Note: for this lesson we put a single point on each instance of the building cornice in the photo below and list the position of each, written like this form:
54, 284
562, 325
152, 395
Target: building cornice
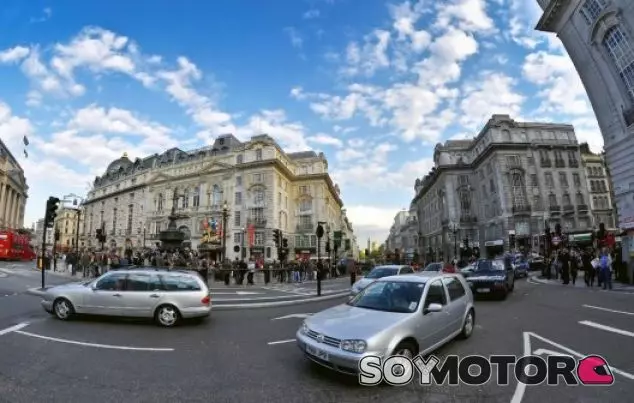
551, 16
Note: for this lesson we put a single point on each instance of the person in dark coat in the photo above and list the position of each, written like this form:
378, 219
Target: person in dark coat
564, 259
574, 266
588, 269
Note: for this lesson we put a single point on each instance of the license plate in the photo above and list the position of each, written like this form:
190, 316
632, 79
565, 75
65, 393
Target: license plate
317, 353
483, 290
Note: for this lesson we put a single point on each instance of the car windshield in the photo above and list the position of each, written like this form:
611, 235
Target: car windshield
490, 265
380, 272
433, 267
390, 296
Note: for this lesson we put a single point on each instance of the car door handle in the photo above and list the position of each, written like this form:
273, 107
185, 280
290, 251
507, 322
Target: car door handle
155, 296
116, 295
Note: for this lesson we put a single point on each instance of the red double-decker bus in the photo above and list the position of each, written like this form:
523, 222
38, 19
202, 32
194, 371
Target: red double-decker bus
15, 246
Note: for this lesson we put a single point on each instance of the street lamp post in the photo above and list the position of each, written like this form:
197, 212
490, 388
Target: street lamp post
454, 230
320, 233
225, 216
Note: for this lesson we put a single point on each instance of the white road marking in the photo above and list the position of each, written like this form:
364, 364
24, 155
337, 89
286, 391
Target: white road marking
608, 310
235, 293
272, 343
575, 354
13, 328
294, 315
606, 328
520, 388
96, 345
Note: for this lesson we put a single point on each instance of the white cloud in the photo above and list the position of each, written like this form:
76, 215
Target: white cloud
13, 128
467, 15
311, 14
290, 135
325, 139
115, 120
371, 221
369, 57
14, 54
493, 93
296, 39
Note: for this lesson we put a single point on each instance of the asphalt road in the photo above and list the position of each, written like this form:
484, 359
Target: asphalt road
15, 279
248, 355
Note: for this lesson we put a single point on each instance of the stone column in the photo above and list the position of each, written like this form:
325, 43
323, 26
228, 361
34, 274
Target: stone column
16, 210
8, 207
3, 201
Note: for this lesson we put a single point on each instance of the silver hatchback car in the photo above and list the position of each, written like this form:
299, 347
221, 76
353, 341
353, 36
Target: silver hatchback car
397, 315
166, 296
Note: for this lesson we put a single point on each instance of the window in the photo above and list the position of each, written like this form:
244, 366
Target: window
258, 196
563, 180
517, 184
576, 179
258, 155
159, 204
237, 237
580, 199
617, 44
591, 9
237, 219
549, 180
593, 186
305, 205
238, 198
436, 294
130, 214
186, 198
304, 190
180, 283
143, 282
257, 178
113, 282
196, 200
463, 180
513, 161
534, 180
114, 218
216, 196
454, 287
567, 201
491, 186
239, 159
238, 180
552, 200
259, 238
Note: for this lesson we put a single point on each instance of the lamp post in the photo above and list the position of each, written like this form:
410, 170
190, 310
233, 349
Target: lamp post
225, 216
320, 233
454, 230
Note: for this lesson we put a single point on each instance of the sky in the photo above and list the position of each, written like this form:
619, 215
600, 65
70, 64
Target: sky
375, 85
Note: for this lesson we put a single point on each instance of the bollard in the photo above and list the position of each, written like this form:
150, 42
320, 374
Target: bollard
353, 277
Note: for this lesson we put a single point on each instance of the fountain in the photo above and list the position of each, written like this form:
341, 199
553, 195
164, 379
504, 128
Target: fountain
171, 238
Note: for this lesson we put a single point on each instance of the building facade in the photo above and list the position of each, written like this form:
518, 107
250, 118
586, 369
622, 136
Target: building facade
13, 190
502, 187
66, 223
403, 237
599, 38
598, 183
257, 185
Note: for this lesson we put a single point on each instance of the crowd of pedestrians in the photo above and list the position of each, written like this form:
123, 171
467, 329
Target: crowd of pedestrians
566, 263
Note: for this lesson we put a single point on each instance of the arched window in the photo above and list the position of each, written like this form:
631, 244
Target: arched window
517, 188
617, 44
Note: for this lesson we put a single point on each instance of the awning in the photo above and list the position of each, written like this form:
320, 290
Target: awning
580, 237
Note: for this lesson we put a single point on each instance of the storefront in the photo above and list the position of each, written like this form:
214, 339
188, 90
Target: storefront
306, 253
256, 253
581, 240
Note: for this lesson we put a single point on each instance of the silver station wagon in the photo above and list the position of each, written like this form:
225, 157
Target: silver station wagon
397, 315
165, 296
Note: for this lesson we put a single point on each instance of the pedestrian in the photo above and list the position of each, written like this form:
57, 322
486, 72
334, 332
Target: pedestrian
588, 268
606, 270
564, 260
574, 267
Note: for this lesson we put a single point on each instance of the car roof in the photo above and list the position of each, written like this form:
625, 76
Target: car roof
152, 271
389, 266
421, 277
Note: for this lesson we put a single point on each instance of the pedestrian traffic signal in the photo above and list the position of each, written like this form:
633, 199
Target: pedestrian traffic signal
285, 243
52, 204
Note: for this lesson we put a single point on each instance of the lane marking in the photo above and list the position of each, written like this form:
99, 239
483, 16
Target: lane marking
520, 388
96, 345
606, 328
575, 353
608, 310
272, 343
295, 315
13, 328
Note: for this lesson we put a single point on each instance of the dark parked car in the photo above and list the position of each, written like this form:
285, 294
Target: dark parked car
492, 277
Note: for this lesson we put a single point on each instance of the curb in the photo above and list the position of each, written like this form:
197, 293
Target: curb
227, 307
36, 291
620, 290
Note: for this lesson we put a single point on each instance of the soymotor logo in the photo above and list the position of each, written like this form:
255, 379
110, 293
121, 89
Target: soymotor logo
477, 370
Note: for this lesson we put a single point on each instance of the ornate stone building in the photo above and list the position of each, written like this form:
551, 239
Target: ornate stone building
262, 188
502, 185
13, 190
598, 184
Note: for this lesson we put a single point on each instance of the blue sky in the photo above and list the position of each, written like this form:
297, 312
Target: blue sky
373, 84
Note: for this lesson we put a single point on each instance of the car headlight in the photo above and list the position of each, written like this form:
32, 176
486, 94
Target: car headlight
355, 346
304, 328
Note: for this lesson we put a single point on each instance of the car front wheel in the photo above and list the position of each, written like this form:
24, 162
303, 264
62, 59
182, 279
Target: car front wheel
63, 309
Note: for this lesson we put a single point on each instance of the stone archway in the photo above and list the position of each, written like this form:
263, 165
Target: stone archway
186, 231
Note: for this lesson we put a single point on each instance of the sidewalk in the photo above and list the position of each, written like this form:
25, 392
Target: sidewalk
580, 283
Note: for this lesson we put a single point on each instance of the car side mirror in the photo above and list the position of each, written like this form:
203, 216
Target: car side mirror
432, 308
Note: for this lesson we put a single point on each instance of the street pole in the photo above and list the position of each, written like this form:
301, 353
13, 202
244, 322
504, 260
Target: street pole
143, 247
42, 263
77, 231
320, 233
55, 238
225, 215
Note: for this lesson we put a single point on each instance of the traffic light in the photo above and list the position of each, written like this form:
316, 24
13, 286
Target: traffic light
52, 204
277, 236
367, 252
285, 243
